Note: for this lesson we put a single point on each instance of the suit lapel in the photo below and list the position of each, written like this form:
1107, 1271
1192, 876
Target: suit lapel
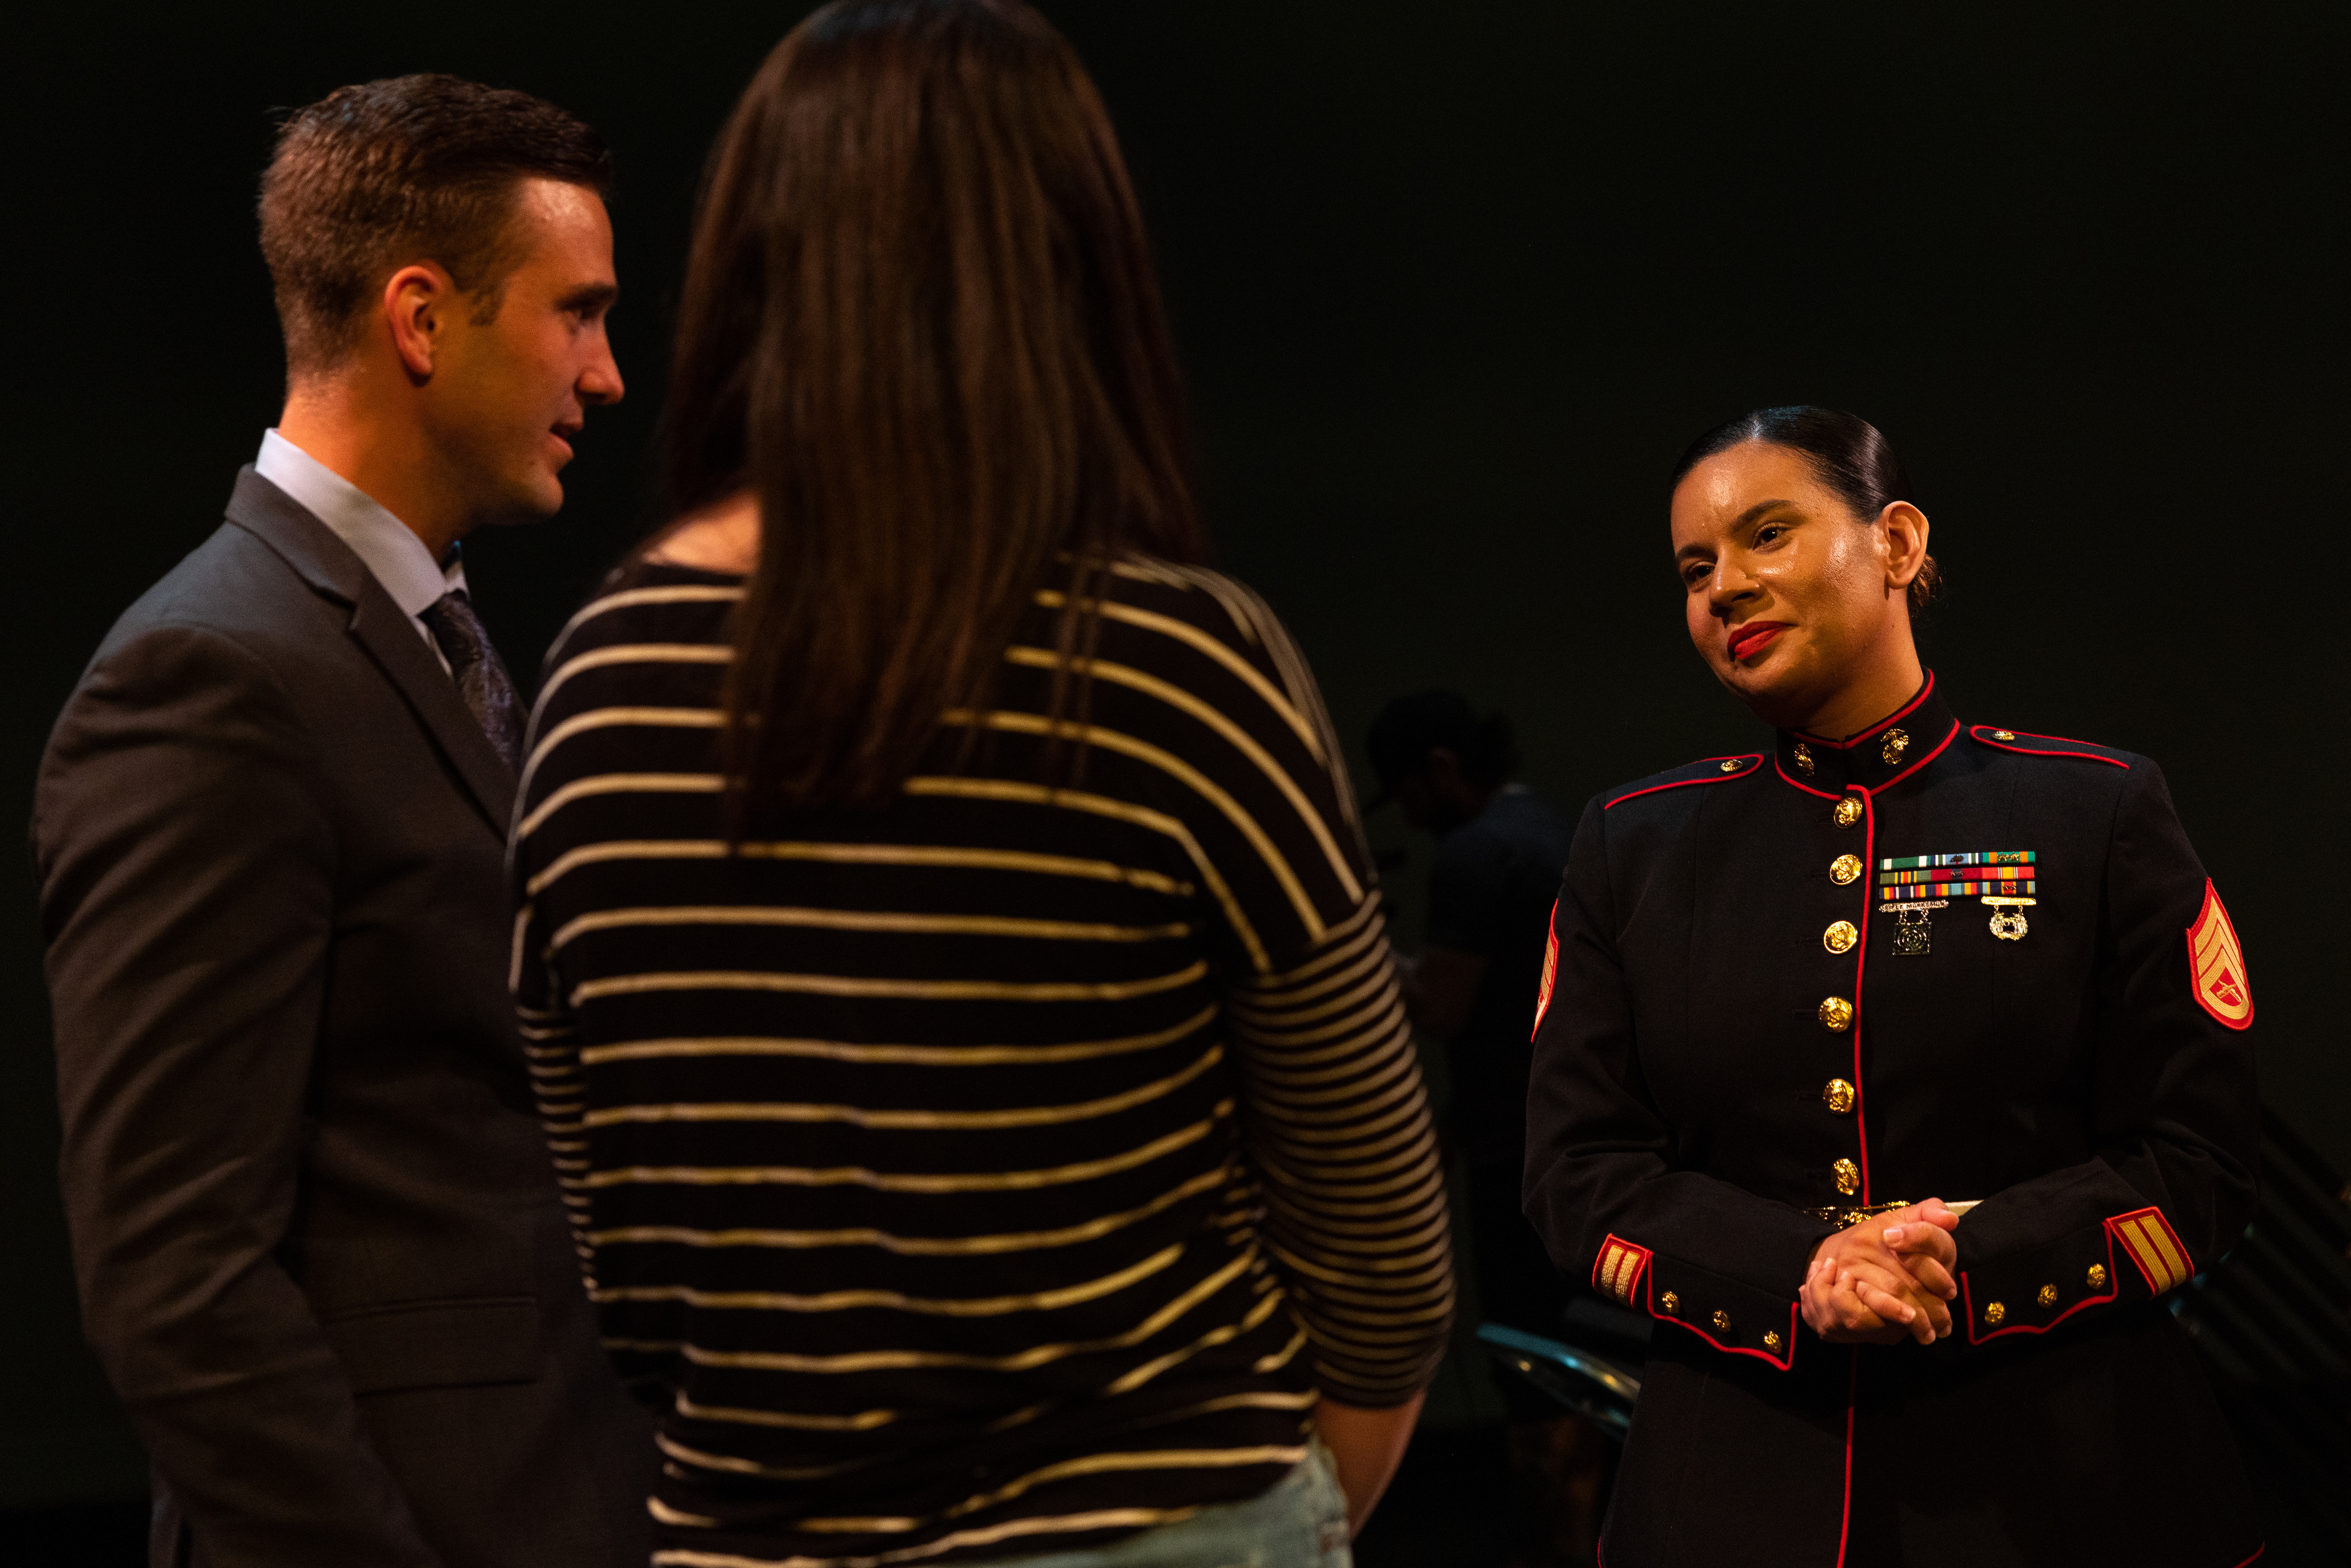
402, 655
325, 562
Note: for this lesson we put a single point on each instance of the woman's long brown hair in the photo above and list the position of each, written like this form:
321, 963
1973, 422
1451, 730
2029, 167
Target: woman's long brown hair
920, 323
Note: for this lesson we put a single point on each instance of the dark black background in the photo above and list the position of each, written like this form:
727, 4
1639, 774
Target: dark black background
1453, 284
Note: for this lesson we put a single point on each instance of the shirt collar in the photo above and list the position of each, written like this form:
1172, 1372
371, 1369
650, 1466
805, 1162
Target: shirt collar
385, 545
1890, 750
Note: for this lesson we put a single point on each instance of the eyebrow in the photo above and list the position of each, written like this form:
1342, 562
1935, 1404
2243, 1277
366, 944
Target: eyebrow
589, 296
1745, 517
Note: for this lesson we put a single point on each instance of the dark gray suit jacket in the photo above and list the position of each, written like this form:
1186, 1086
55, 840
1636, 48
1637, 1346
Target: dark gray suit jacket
318, 1236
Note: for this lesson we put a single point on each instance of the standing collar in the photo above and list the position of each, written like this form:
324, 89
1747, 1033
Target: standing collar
389, 549
1893, 747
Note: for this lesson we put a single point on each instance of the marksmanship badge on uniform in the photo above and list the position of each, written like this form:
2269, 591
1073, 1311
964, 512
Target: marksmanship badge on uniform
2216, 965
1914, 927
2004, 879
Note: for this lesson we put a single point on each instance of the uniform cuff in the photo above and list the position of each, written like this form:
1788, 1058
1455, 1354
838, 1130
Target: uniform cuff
2033, 1292
1729, 1315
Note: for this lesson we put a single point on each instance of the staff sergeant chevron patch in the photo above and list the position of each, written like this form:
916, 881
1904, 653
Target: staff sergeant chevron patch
2216, 965
2154, 1247
1551, 970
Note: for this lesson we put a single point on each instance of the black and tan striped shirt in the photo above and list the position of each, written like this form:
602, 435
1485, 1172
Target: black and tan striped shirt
1002, 1171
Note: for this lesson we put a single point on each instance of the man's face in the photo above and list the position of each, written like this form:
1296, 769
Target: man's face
508, 395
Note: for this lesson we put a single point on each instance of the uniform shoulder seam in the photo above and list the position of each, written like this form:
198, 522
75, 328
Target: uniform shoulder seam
1705, 771
2024, 743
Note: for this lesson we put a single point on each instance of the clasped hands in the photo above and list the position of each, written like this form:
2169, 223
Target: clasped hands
1889, 1276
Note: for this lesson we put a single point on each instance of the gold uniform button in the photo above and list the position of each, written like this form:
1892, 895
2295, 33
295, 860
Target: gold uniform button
1836, 1014
1848, 811
1848, 1176
1721, 1323
1731, 766
1671, 1302
2003, 735
1897, 743
1840, 938
1837, 1095
1771, 1339
1994, 1314
2048, 1297
1844, 870
2097, 1276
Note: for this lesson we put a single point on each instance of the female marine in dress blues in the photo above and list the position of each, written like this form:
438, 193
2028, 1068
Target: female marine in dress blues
1898, 1072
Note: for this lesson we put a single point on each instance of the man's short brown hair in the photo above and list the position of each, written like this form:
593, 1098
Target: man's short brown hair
373, 177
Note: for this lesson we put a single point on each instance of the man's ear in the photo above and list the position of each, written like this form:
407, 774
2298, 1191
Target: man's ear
1904, 528
419, 303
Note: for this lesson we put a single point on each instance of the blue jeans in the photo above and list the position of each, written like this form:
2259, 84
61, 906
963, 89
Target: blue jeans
1299, 1523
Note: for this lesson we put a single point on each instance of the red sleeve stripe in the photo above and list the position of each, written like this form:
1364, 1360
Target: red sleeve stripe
1619, 1269
2154, 1247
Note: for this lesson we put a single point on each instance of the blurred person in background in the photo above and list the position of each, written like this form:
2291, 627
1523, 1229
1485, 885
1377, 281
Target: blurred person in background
1498, 853
1494, 873
956, 977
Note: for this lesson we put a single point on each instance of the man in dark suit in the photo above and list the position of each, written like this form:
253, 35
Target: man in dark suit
319, 1241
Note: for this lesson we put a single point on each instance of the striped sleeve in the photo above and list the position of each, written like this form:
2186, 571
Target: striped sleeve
551, 1048
1336, 1121
551, 1045
544, 1014
1338, 1129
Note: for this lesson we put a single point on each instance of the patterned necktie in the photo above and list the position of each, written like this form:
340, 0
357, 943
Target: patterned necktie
482, 681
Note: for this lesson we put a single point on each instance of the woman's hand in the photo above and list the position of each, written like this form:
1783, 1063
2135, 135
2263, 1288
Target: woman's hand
1885, 1278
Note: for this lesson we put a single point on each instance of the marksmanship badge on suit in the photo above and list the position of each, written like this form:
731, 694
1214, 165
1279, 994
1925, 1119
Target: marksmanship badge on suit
2217, 965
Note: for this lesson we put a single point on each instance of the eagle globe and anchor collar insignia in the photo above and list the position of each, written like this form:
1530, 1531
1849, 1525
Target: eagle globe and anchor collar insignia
1913, 885
1893, 747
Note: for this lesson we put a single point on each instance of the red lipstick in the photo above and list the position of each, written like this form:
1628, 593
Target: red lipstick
1753, 638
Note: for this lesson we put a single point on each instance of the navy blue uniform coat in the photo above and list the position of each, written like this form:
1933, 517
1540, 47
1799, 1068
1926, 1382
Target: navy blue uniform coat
1699, 1091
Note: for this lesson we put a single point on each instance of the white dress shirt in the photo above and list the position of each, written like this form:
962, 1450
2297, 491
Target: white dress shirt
385, 544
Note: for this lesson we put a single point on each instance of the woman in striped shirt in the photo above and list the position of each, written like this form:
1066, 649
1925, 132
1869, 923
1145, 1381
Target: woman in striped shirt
954, 976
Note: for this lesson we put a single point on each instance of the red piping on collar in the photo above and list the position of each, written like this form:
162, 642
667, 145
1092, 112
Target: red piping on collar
1805, 788
1746, 761
1967, 1301
1982, 733
1872, 733
1922, 762
1953, 734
